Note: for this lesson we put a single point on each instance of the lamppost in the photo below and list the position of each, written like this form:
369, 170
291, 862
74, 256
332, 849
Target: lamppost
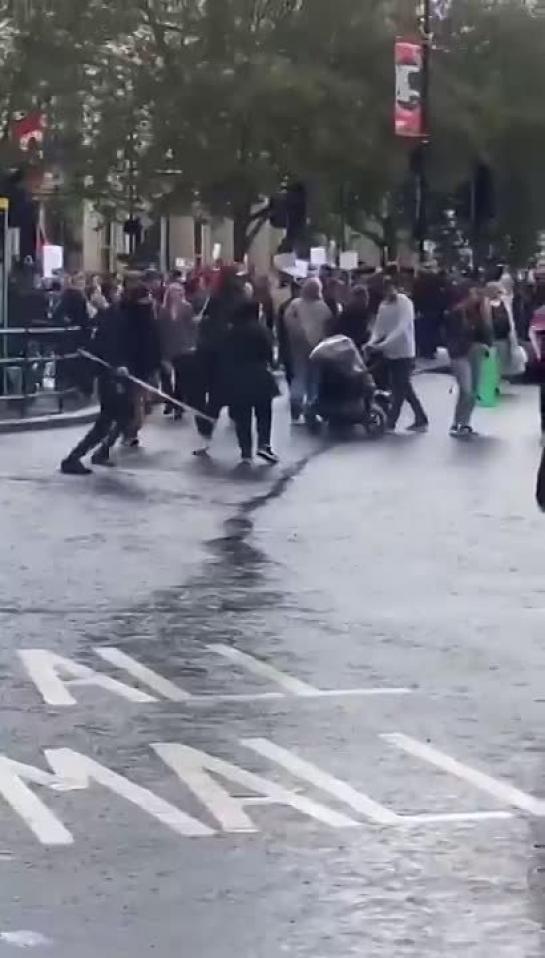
422, 150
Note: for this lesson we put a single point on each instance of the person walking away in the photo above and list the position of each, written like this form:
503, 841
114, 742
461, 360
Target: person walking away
503, 326
537, 340
143, 351
308, 320
355, 318
284, 355
248, 384
178, 328
216, 318
468, 335
110, 343
394, 337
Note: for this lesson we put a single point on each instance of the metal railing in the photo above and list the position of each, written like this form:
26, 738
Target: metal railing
38, 362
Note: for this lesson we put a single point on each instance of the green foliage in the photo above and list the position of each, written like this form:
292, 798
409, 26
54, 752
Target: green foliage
209, 103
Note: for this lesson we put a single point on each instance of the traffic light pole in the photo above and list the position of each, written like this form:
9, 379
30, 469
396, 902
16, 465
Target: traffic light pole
423, 148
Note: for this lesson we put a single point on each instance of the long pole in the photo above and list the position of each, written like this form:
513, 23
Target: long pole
132, 189
423, 148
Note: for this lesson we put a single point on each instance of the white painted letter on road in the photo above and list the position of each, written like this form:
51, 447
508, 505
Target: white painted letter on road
193, 768
13, 789
54, 675
81, 770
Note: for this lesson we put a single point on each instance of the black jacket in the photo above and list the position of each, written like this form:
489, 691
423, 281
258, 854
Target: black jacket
143, 343
110, 341
216, 321
463, 328
354, 323
245, 374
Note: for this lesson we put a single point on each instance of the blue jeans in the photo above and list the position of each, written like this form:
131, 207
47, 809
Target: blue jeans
304, 384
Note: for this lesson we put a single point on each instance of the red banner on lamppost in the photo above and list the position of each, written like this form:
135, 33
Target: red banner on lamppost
408, 113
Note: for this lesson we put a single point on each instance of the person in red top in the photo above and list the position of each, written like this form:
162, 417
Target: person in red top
537, 340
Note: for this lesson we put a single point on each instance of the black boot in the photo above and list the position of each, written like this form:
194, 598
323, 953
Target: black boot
102, 458
74, 467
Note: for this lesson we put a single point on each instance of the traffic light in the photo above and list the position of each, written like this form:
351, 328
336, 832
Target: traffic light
475, 198
22, 209
133, 227
296, 207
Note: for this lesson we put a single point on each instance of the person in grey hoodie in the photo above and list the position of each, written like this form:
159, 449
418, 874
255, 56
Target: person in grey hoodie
178, 327
308, 320
394, 336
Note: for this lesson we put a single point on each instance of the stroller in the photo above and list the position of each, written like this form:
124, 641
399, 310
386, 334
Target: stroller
347, 393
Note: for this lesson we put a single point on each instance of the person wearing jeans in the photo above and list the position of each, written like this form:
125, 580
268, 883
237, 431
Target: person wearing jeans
394, 337
469, 334
308, 320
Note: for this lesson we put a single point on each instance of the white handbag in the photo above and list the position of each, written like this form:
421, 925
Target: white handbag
518, 360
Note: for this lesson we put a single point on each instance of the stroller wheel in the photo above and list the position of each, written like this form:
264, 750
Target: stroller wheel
313, 424
375, 422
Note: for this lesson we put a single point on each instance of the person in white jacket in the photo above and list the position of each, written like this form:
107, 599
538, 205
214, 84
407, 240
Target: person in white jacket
394, 336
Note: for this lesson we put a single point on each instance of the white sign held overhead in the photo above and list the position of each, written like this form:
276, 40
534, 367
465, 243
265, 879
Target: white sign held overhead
318, 256
284, 261
53, 260
349, 260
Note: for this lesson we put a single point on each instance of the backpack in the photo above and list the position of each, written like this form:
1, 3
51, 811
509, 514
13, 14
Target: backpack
500, 321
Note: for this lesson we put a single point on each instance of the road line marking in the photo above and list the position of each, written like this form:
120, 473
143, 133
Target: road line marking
198, 771
357, 693
502, 791
323, 780
250, 697
13, 789
453, 817
142, 673
24, 939
243, 697
71, 765
45, 668
264, 670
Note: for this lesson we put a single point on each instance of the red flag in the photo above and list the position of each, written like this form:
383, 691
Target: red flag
28, 131
408, 94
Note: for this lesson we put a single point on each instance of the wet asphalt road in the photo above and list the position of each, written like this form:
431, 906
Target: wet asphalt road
411, 568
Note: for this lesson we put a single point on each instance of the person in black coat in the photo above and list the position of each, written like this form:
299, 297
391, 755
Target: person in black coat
247, 382
143, 350
111, 344
355, 317
72, 314
216, 318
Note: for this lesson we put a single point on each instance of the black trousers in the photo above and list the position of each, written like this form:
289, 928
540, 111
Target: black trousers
400, 372
112, 420
542, 405
242, 413
208, 394
184, 384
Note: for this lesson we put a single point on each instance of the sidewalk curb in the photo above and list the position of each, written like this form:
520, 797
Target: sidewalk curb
56, 421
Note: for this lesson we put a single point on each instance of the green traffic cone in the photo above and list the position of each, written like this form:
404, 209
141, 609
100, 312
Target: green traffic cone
489, 382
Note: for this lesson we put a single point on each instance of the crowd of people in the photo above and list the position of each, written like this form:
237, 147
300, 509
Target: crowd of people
217, 338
